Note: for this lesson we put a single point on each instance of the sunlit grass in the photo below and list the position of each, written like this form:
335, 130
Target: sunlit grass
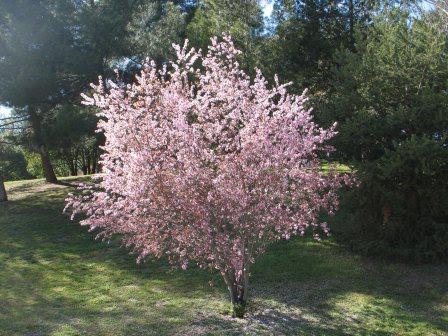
55, 279
342, 168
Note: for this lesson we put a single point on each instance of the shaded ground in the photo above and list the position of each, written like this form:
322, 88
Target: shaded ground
55, 279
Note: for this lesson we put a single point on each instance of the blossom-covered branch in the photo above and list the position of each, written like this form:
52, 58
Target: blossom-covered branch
203, 165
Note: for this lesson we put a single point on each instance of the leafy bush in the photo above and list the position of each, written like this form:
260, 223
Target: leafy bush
33, 164
389, 97
401, 207
13, 165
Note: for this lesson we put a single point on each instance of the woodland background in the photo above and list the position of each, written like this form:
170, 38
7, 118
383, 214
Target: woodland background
377, 67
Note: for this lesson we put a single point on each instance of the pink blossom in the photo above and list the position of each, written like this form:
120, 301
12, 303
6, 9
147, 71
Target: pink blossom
207, 166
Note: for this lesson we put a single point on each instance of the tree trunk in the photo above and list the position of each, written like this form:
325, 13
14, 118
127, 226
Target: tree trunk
88, 160
238, 293
94, 161
73, 170
70, 159
238, 306
351, 19
83, 161
47, 167
49, 174
3, 196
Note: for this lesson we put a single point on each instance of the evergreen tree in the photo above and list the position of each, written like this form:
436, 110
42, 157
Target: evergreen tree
393, 87
242, 19
390, 99
49, 52
35, 62
155, 26
307, 35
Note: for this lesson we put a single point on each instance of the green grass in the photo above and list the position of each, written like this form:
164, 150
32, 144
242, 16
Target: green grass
55, 279
342, 168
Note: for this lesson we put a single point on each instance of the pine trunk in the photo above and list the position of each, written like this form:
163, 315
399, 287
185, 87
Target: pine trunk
47, 167
73, 171
351, 17
49, 174
3, 195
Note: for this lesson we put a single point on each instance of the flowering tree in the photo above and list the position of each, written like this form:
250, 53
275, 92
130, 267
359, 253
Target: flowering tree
202, 165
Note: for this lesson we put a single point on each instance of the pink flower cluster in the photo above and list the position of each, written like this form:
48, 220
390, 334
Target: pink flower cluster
204, 165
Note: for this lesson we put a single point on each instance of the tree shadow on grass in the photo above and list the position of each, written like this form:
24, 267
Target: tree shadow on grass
53, 268
57, 278
314, 285
32, 188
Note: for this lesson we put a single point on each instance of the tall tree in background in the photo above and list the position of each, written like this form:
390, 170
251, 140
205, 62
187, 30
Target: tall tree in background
37, 63
50, 50
75, 148
374, 95
307, 34
155, 25
441, 10
102, 29
390, 99
241, 18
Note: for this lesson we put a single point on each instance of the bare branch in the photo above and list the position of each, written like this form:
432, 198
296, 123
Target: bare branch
441, 5
13, 128
10, 117
12, 122
7, 143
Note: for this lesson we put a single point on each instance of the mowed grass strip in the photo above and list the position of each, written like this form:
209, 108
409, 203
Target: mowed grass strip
55, 279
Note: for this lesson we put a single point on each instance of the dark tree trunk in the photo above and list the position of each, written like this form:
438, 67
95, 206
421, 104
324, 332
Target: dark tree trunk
49, 174
238, 306
73, 170
47, 167
351, 20
83, 161
76, 160
69, 156
88, 162
238, 293
94, 161
3, 196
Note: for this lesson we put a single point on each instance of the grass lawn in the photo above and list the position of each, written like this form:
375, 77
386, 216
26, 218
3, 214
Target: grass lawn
55, 279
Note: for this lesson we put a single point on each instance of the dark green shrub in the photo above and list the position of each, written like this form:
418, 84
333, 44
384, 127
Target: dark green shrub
401, 206
13, 164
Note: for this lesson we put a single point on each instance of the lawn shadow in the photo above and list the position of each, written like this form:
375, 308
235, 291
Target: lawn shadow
319, 285
59, 279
